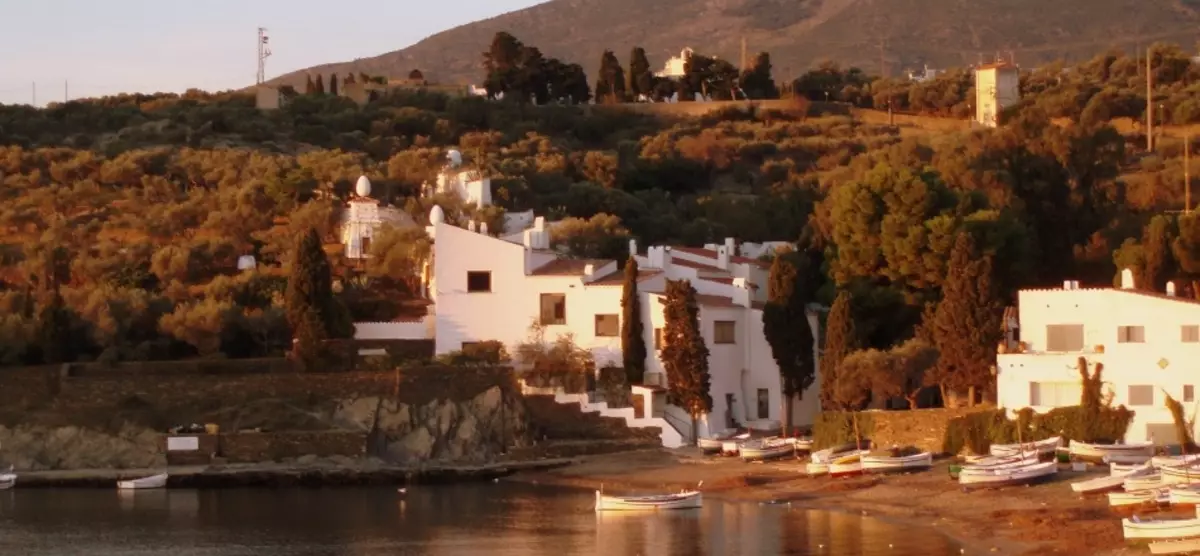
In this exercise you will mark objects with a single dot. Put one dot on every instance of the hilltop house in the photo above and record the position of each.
(363, 217)
(1148, 343)
(997, 87)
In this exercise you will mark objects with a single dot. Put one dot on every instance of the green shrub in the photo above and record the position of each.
(832, 428)
(978, 431)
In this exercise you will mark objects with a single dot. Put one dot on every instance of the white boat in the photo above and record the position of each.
(1180, 474)
(153, 481)
(712, 444)
(1175, 461)
(848, 465)
(1160, 528)
(1185, 546)
(985, 462)
(685, 500)
(1021, 475)
(1115, 469)
(7, 480)
(1140, 452)
(804, 444)
(1152, 481)
(816, 469)
(761, 450)
(1047, 446)
(883, 464)
(829, 454)
(1185, 495)
(731, 446)
(1109, 482)
(1149, 497)
(998, 464)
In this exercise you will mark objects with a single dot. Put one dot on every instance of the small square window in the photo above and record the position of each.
(1131, 334)
(554, 309)
(479, 281)
(608, 326)
(1190, 334)
(1189, 393)
(1141, 395)
(725, 332)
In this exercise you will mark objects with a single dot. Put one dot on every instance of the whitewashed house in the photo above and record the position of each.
(1149, 344)
(997, 88)
(467, 183)
(487, 288)
(362, 218)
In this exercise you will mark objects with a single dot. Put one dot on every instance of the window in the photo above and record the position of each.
(1190, 334)
(366, 245)
(1131, 334)
(725, 332)
(658, 336)
(764, 404)
(1064, 337)
(1054, 394)
(554, 308)
(608, 326)
(1189, 393)
(479, 281)
(1141, 394)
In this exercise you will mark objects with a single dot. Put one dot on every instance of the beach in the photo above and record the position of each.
(1043, 519)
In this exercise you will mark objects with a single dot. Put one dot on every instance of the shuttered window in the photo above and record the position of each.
(1064, 337)
(1141, 394)
(1190, 334)
(725, 332)
(1131, 334)
(554, 308)
(1054, 394)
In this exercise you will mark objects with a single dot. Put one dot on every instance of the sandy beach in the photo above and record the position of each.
(1043, 519)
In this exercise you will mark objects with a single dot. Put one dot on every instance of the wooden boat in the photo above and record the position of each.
(1115, 469)
(829, 454)
(1185, 546)
(1180, 474)
(1140, 452)
(685, 500)
(883, 464)
(1175, 461)
(1152, 481)
(712, 444)
(153, 481)
(985, 462)
(766, 449)
(1110, 482)
(847, 465)
(1047, 446)
(731, 446)
(1184, 495)
(7, 480)
(1148, 497)
(1136, 528)
(816, 469)
(1008, 476)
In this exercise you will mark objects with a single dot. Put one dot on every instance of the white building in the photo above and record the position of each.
(468, 184)
(676, 67)
(926, 74)
(362, 218)
(1149, 344)
(997, 87)
(487, 288)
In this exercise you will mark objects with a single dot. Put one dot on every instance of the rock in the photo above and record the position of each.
(306, 460)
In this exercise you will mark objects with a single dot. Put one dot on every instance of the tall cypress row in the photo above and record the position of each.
(633, 342)
(684, 353)
(840, 339)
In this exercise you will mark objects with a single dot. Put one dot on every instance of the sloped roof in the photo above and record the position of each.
(568, 267)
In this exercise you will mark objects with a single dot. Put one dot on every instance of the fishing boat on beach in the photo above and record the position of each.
(1109, 482)
(732, 446)
(1184, 495)
(1149, 497)
(1006, 476)
(847, 465)
(1039, 447)
(712, 444)
(8, 480)
(768, 448)
(1139, 452)
(886, 464)
(1140, 529)
(1123, 468)
(153, 481)
(1184, 546)
(1150, 481)
(686, 500)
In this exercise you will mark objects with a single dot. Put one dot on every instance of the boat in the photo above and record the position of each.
(1180, 474)
(762, 450)
(1144, 482)
(153, 481)
(847, 465)
(1047, 446)
(1109, 482)
(883, 464)
(829, 454)
(985, 462)
(1136, 528)
(1184, 546)
(712, 444)
(1115, 469)
(686, 500)
(1175, 461)
(1148, 497)
(1140, 452)
(7, 480)
(816, 469)
(1007, 476)
(1184, 495)
(731, 446)
(804, 444)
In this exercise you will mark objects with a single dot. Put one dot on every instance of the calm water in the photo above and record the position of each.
(494, 519)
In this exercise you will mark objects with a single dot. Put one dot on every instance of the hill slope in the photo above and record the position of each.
(799, 32)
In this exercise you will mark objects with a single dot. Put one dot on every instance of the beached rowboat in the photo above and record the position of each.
(686, 500)
(883, 464)
(1160, 528)
(1140, 452)
(153, 481)
(7, 480)
(1185, 546)
(1115, 469)
(1047, 446)
(1110, 482)
(1185, 495)
(847, 465)
(731, 446)
(1149, 497)
(1181, 474)
(1151, 481)
(1175, 461)
(1008, 476)
(766, 449)
(712, 444)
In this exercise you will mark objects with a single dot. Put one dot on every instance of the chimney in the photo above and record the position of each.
(539, 223)
(723, 257)
(1171, 289)
(471, 226)
(730, 247)
(741, 293)
(589, 273)
(666, 258)
(483, 228)
(1127, 279)
(1066, 284)
(633, 248)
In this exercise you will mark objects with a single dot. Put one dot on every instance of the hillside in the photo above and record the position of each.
(799, 32)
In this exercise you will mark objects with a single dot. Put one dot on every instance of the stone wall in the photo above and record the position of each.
(258, 447)
(922, 428)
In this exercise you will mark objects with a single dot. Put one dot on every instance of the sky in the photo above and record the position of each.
(81, 48)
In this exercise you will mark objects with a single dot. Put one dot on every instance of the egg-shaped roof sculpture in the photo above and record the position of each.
(436, 216)
(363, 187)
(455, 157)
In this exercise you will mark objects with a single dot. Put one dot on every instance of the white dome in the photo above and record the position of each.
(455, 158)
(436, 216)
(363, 187)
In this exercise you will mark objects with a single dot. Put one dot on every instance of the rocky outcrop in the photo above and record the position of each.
(473, 430)
(35, 448)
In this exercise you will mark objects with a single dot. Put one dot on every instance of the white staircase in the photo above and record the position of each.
(670, 437)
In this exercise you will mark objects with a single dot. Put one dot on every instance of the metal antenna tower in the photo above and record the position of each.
(264, 50)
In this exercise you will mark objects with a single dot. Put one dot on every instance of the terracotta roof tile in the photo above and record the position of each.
(618, 278)
(567, 267)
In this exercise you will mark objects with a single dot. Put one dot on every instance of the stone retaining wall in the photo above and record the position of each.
(922, 428)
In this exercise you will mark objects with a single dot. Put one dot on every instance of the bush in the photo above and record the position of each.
(832, 428)
(978, 431)
(613, 384)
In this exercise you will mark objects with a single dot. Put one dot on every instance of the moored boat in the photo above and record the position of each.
(732, 446)
(1108, 482)
(682, 501)
(1139, 452)
(1148, 497)
(153, 481)
(847, 465)
(712, 444)
(883, 464)
(7, 480)
(766, 449)
(1136, 528)
(1007, 476)
(1047, 446)
(1184, 546)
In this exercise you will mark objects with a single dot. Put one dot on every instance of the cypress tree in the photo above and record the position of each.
(310, 88)
(54, 330)
(787, 330)
(610, 85)
(641, 80)
(633, 343)
(319, 85)
(1156, 248)
(312, 311)
(333, 84)
(966, 324)
(840, 339)
(684, 353)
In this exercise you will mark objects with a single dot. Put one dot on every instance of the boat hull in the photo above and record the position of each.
(1110, 482)
(999, 478)
(7, 481)
(1047, 446)
(155, 481)
(682, 501)
(882, 464)
(1160, 529)
(763, 454)
(1111, 453)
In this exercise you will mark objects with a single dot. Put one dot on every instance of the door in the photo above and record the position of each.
(729, 422)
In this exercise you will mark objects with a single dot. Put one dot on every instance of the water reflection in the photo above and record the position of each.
(504, 520)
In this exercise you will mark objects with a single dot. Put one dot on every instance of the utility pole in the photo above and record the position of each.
(1149, 104)
(263, 52)
(66, 92)
(1187, 173)
(882, 64)
(743, 68)
(35, 94)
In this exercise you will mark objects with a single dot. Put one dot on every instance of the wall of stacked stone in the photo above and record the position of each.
(922, 428)
(28, 387)
(259, 447)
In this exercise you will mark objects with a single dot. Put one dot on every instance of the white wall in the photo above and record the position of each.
(1162, 361)
(422, 329)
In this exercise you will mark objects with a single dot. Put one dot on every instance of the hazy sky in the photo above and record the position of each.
(111, 46)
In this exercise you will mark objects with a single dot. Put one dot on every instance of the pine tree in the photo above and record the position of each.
(319, 85)
(787, 330)
(966, 324)
(684, 353)
(840, 339)
(641, 79)
(333, 84)
(633, 342)
(310, 87)
(309, 296)
(610, 84)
